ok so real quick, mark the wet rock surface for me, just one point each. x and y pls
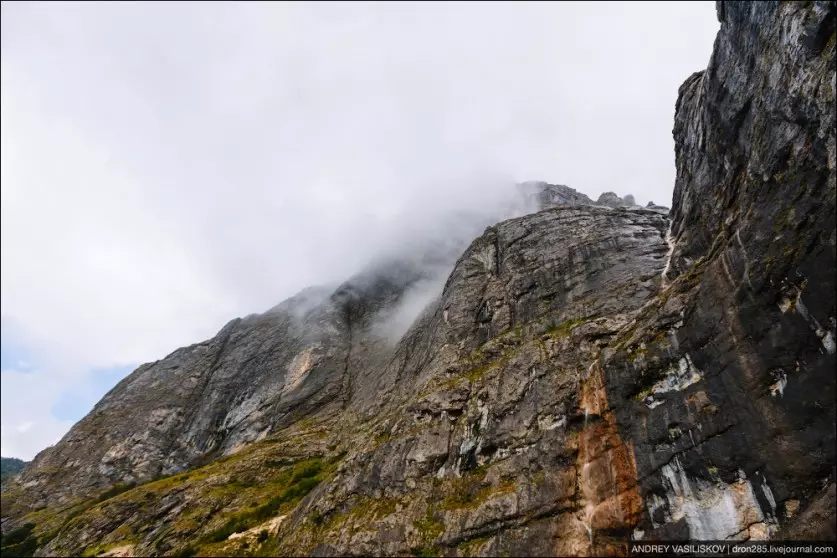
(587, 374)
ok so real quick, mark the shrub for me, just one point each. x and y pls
(18, 535)
(23, 549)
(20, 542)
(311, 470)
(115, 490)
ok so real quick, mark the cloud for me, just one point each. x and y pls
(26, 425)
(168, 166)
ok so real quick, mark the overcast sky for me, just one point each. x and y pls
(168, 166)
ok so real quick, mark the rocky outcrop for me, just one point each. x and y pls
(610, 199)
(541, 195)
(654, 206)
(585, 376)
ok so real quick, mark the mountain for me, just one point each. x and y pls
(576, 376)
(10, 466)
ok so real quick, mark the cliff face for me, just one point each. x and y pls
(743, 339)
(587, 374)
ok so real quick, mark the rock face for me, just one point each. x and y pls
(610, 199)
(743, 340)
(654, 206)
(586, 375)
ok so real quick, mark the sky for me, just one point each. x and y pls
(169, 166)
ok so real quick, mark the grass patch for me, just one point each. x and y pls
(564, 328)
(471, 495)
(429, 529)
(428, 551)
(294, 485)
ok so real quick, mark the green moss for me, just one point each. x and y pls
(472, 547)
(472, 374)
(470, 490)
(470, 495)
(429, 551)
(564, 329)
(478, 372)
(363, 511)
(639, 353)
(188, 524)
(642, 395)
(476, 356)
(381, 438)
(429, 528)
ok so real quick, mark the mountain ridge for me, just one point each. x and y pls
(586, 376)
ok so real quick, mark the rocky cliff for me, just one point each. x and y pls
(585, 376)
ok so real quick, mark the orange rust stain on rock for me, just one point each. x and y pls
(607, 470)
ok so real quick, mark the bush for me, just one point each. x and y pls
(310, 470)
(262, 536)
(115, 490)
(20, 550)
(20, 542)
(234, 525)
(18, 535)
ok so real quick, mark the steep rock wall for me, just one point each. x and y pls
(726, 384)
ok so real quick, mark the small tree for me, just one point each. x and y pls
(629, 200)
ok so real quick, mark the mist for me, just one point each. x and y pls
(167, 167)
